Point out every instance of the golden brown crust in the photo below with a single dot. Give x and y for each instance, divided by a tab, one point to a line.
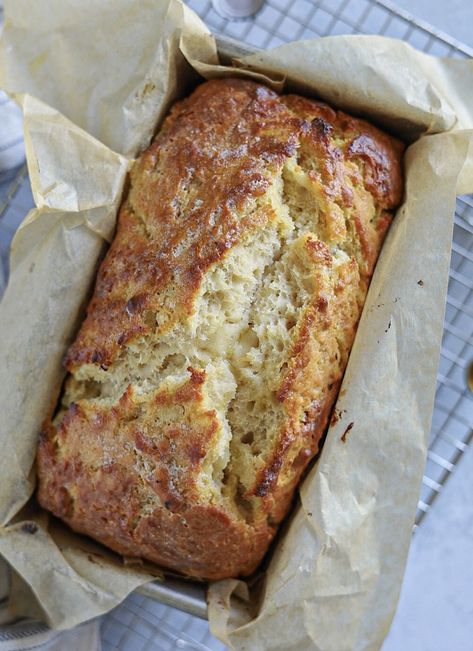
103	472
145	465
223	147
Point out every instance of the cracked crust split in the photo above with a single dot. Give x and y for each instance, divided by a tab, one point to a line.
203	377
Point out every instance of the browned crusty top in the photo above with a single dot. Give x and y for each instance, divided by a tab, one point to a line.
203	376
215	151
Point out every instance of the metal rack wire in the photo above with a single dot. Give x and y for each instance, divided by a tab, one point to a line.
280	21
143	624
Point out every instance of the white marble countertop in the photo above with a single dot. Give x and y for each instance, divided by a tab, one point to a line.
435	611
454	17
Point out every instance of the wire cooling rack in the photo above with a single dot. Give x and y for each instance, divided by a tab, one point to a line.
141	624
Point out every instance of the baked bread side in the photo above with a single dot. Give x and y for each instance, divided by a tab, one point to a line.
204	374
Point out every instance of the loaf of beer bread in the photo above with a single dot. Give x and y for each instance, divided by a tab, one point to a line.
202	379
